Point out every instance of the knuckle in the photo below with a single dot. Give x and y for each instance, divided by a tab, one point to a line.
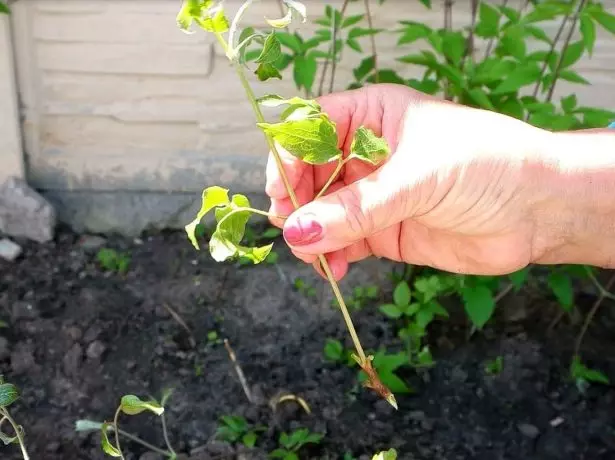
358	220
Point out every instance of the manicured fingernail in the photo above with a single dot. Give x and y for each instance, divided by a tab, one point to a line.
302	230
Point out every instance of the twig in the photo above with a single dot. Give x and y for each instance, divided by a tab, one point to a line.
503	293
18	433
604	294
370	24
242	378
138	440
179	319
556	320
558	69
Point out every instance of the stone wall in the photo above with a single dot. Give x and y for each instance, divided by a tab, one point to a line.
126	119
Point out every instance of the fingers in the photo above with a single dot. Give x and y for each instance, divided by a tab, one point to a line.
294	169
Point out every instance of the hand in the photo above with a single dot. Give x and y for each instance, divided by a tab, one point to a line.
458	193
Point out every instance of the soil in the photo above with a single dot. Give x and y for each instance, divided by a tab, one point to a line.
79	337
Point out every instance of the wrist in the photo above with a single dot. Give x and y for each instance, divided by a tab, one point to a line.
574	209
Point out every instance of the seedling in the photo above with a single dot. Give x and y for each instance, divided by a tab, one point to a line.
390	454
494	366
304	130
304	288
113	261
233	429
335	352
583	375
9	393
130	405
291	444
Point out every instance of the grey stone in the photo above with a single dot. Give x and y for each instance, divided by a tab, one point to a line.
24	310
9	250
91	242
528	430
96	349
22	359
25	213
72	360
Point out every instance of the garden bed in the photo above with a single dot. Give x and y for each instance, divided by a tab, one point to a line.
78	338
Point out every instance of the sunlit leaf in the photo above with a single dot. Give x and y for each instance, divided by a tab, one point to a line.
106	445
217	23
132	405
390	454
212	197
191	11
368	147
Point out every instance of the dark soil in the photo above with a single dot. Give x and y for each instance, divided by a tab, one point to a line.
79	338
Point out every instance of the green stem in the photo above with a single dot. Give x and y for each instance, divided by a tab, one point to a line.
165	434
151	447
338	168
20	440
116	431
293	198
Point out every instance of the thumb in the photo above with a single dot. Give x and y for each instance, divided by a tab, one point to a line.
351	213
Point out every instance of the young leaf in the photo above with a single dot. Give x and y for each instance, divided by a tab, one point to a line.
8	394
85	425
334	350
265	72
562	289
4	438
518	78
588	32
272	50
106	445
390	454
216	23
605	19
313	140
479	304
189	12
401	294
368	147
573	53
212	197
249	439
391	310
132	405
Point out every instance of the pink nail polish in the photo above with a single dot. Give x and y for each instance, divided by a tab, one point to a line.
304	230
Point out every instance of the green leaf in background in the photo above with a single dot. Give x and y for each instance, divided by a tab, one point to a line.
479	304
391	310
518	278
512	43
454	46
4	8
569	103
106	445
390	454
249	439
304	72
561	286
605	19
480	98
412	32
573	77
518	78
402	294
368	147
265	72
573	53
579	371
334	350
132	405
367	65
8	394
212	197
588	32
489	21
312	140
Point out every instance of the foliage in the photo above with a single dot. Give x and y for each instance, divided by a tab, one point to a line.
9	393
290	444
495	366
113	261
234	428
4	8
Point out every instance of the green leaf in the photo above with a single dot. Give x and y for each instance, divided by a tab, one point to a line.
518	78
479	304
561	286
265	72
368	147
217	23
454	46
572	77
573	53
391	310
312	140
106	445
518	278
579	371
489	21
272	50
212	197
4	9
412	32
480	98
358	32
390	454
190	11
364	68
588	32
8	394
513	43
132	405
605	19
249	439
569	103
401	294
394	383
334	350
304	72
352	20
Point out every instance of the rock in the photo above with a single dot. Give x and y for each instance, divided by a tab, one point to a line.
96	349
4	348
25	213
528	430
22	359
9	250
24	310
72	360
91	242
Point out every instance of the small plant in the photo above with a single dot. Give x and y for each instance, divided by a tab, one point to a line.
494	366
213	338
130	405
9	393
290	444
390	454
252	238
335	352
233	429
583	375
361	295
113	261
303	130
386	364
304	288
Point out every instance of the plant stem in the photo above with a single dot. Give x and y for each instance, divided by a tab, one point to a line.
165	434
293	198
558	69
335	32
338	168
334	29
115	430
604	294
20	439
151	447
370	24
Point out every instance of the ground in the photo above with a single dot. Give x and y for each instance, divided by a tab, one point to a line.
79	337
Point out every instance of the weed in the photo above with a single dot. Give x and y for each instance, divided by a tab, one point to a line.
9	393
233	429
494	366
113	261
304	288
583	376
290	444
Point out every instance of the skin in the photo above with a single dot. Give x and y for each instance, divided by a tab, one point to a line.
464	190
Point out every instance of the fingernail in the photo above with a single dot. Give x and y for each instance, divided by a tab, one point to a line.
302	230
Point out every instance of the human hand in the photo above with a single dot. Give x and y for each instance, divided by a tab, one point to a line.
459	191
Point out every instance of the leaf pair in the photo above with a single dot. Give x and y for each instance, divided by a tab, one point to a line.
310	135
232	215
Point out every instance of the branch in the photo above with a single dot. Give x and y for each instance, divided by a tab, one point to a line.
370	23
333	43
